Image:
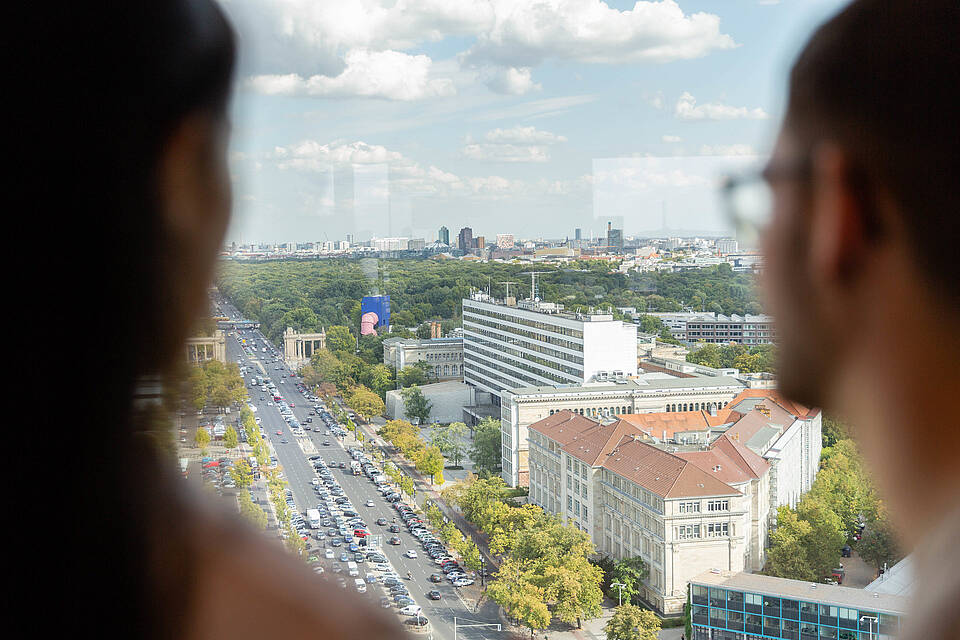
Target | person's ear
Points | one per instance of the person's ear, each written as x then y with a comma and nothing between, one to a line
838,232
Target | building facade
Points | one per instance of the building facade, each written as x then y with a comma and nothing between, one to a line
299,347
444,355
729,605
535,344
522,406
750,330
681,515
465,239
443,236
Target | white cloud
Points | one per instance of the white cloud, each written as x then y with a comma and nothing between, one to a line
509,80
310,155
727,150
523,135
668,138
688,109
519,144
294,42
392,75
506,153
524,34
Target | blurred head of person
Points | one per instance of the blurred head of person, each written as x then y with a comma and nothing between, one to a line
861,270
121,128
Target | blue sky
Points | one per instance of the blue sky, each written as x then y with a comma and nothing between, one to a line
531,117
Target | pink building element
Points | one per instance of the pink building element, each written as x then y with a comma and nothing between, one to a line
368,323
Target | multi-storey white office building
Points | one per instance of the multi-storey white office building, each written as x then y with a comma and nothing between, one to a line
534,344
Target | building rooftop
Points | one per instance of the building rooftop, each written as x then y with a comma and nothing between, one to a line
618,446
423,342
898,580
552,309
860,599
632,384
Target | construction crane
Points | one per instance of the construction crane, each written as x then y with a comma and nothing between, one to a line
533,282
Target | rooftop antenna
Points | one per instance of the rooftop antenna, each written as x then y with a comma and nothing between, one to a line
508,283
533,283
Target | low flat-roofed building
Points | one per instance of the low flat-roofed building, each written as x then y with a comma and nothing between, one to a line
729,605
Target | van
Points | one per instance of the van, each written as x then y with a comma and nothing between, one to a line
353,570
361,585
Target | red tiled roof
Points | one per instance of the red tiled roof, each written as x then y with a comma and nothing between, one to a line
618,447
793,408
677,421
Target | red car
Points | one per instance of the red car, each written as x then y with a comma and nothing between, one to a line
279,433
292,405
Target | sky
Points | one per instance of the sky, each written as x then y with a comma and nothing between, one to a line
384,118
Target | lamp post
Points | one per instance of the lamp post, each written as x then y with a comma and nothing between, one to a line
620,587
872,619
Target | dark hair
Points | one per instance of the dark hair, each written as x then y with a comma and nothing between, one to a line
879,79
100,88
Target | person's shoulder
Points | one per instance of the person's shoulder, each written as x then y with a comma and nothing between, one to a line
248,587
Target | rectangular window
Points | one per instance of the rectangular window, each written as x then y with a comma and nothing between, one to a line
584,512
718,505
689,507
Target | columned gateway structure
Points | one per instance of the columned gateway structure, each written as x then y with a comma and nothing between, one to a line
298,347
205,348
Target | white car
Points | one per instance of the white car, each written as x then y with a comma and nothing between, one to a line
328,554
411,610
463,582
410,553
370,503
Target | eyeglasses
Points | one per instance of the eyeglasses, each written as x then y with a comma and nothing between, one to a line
748,198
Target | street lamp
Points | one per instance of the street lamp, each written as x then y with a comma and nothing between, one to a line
620,586
872,619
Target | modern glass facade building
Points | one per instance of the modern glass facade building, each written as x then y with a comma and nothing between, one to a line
742,606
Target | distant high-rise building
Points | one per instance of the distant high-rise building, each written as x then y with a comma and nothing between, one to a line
727,245
416,244
505,240
465,239
444,235
614,239
479,242
578,234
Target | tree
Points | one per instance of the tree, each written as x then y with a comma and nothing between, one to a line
365,402
449,439
252,512
379,378
339,338
430,462
486,451
411,376
629,572
879,546
230,438
415,404
201,438
632,623
521,600
242,474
